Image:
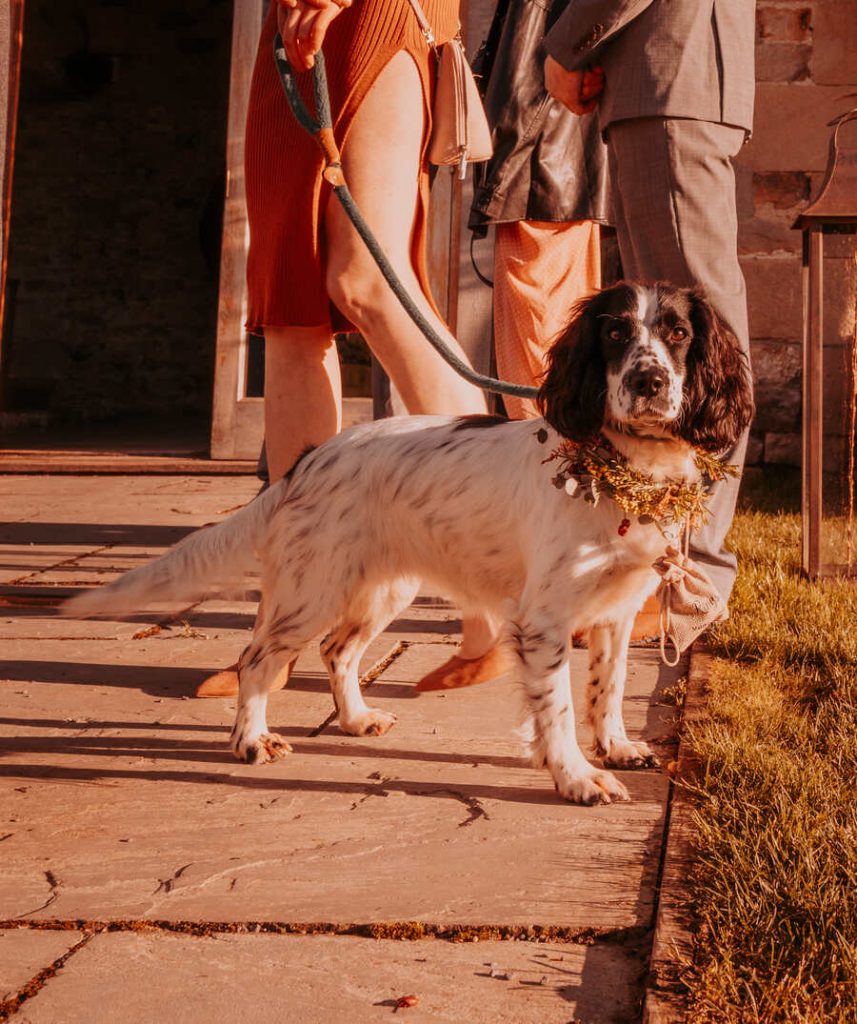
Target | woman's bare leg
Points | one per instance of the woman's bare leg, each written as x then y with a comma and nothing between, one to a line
381,162
303,408
303,393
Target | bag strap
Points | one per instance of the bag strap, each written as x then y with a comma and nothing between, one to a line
425,27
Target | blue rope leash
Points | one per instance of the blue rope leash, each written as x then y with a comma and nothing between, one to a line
322,131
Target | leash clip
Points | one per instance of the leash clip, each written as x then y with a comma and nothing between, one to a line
333,175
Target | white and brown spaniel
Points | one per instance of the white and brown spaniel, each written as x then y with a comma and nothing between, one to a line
468,507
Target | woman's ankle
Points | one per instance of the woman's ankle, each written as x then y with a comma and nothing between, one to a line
478,637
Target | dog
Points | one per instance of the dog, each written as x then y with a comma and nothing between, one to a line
469,506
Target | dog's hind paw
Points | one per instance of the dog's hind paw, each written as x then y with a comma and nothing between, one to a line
267,747
370,723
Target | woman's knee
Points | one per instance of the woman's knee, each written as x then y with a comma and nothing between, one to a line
290,345
357,289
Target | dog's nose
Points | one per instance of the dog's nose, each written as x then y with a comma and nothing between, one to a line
647,383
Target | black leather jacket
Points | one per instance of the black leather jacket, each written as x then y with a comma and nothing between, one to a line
548,164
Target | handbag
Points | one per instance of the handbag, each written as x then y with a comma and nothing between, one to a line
689,601
460,133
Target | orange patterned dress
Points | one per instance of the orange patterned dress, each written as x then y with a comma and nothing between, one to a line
286,195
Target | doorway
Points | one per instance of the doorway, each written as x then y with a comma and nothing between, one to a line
116,212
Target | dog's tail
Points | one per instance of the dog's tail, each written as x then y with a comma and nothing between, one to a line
215,556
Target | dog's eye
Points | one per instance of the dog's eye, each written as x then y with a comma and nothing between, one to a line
615,334
678,334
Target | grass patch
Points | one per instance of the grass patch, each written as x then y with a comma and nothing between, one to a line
775,886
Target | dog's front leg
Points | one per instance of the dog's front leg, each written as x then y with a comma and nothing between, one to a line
543,649
608,669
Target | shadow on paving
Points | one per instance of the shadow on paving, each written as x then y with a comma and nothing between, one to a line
201,620
93,534
461,791
199,750
159,680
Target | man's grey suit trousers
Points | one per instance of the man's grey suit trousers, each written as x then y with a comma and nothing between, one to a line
676,220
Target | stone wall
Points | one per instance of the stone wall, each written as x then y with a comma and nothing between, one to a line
116,208
806,72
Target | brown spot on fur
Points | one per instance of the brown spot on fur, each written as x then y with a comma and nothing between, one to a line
478,421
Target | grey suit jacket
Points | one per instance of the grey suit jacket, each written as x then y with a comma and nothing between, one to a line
664,58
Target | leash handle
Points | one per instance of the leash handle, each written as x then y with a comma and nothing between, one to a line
290,87
321,130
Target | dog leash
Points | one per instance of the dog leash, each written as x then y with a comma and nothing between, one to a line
321,129
665,595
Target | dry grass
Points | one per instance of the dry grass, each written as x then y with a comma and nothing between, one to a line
775,889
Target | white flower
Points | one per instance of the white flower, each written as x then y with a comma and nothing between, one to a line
571,485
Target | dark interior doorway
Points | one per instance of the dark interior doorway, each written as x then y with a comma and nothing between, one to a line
116,219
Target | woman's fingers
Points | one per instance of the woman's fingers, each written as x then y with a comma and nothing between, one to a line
289,20
303,25
313,30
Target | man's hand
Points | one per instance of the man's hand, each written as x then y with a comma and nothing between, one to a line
577,90
303,24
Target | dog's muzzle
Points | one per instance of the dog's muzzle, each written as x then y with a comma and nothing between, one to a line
649,390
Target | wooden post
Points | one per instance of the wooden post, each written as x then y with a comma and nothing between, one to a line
813,354
237,421
11,39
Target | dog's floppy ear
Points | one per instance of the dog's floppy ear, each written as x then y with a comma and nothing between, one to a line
718,389
574,388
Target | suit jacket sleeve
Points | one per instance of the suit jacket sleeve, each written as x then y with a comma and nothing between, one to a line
586,25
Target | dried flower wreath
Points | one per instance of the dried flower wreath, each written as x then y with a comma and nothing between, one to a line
596,469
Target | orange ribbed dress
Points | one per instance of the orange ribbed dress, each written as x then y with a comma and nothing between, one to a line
286,195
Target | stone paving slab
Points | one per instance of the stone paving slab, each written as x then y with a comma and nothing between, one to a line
317,979
111,763
108,510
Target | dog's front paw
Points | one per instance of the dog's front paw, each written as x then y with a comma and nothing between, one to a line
628,754
370,723
261,749
589,787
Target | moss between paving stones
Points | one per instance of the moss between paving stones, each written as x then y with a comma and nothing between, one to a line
407,931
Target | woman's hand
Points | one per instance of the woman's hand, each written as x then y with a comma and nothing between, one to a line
577,90
303,24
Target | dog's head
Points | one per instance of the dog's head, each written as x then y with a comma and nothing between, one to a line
648,357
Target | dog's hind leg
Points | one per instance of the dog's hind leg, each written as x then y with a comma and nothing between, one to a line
608,669
260,670
368,613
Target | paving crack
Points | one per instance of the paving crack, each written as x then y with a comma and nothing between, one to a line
28,577
472,803
55,884
57,639
377,790
195,886
34,985
166,884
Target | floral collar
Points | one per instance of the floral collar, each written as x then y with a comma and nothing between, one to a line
596,468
